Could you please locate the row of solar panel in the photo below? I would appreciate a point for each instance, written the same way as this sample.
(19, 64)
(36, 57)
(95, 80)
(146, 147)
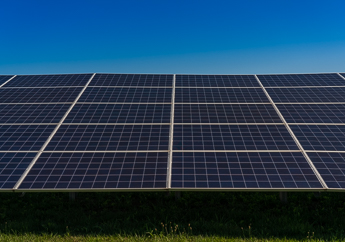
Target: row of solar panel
(223, 170)
(156, 137)
(161, 113)
(331, 79)
(164, 95)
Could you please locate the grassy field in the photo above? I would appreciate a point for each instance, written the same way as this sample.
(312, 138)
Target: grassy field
(197, 216)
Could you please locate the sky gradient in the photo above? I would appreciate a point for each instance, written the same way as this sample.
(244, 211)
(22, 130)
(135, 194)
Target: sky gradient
(177, 36)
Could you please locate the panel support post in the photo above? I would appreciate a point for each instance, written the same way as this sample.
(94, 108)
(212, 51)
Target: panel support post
(177, 196)
(283, 197)
(72, 196)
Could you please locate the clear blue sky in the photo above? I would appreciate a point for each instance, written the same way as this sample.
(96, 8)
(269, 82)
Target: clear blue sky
(176, 36)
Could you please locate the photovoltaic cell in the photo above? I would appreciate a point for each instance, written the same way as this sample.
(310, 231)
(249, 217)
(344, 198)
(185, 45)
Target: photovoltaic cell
(110, 94)
(132, 80)
(12, 166)
(225, 113)
(342, 74)
(119, 113)
(300, 95)
(233, 137)
(24, 137)
(216, 81)
(4, 78)
(38, 95)
(313, 113)
(110, 138)
(98, 171)
(220, 95)
(32, 113)
(331, 167)
(49, 80)
(242, 170)
(320, 137)
(331, 79)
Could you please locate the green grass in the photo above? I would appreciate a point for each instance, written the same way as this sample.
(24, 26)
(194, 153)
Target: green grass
(197, 216)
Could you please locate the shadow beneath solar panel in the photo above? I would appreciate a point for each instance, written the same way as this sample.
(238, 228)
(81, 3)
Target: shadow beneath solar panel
(232, 215)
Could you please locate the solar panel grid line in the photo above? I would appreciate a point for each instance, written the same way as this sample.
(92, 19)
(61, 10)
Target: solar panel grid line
(325, 151)
(238, 151)
(50, 137)
(36, 103)
(133, 86)
(223, 103)
(310, 103)
(115, 124)
(316, 123)
(10, 124)
(39, 87)
(221, 87)
(171, 134)
(294, 137)
(228, 123)
(105, 151)
(341, 76)
(7, 81)
(282, 87)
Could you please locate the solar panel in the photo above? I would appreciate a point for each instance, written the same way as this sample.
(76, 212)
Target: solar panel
(225, 113)
(331, 167)
(300, 95)
(12, 166)
(233, 137)
(110, 94)
(54, 171)
(331, 79)
(128, 132)
(24, 137)
(242, 170)
(216, 81)
(4, 78)
(110, 138)
(119, 113)
(49, 80)
(38, 95)
(220, 95)
(320, 137)
(32, 113)
(313, 113)
(342, 74)
(132, 80)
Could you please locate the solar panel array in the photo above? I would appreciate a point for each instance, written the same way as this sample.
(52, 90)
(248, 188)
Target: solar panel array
(116, 132)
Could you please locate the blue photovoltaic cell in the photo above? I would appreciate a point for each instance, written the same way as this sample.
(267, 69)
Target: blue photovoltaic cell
(111, 94)
(225, 113)
(32, 113)
(242, 170)
(331, 167)
(216, 81)
(24, 137)
(300, 95)
(320, 137)
(313, 113)
(220, 95)
(342, 74)
(12, 166)
(233, 137)
(119, 113)
(38, 95)
(98, 171)
(3, 79)
(286, 80)
(132, 80)
(110, 138)
(49, 80)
